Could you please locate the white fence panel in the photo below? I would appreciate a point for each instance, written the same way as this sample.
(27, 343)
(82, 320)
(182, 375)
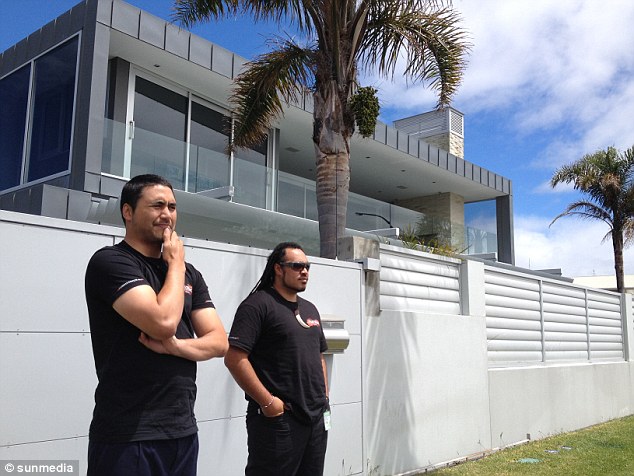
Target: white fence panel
(532, 319)
(416, 281)
(514, 328)
(605, 326)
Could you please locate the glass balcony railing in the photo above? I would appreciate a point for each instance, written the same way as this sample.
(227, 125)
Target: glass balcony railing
(196, 169)
(297, 196)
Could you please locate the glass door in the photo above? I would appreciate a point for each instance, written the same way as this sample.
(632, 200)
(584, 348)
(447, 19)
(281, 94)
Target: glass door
(209, 164)
(184, 138)
(157, 132)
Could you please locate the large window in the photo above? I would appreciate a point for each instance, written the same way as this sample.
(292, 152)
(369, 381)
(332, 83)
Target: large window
(14, 96)
(251, 176)
(208, 160)
(171, 132)
(160, 131)
(481, 227)
(52, 116)
(44, 124)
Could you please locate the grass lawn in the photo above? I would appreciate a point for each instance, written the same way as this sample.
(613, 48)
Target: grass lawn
(601, 450)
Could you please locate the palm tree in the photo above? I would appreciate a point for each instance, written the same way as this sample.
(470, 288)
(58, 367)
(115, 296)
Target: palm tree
(342, 35)
(606, 178)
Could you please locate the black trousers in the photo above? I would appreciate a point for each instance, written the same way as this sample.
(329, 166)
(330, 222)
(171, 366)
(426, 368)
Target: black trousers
(285, 446)
(177, 457)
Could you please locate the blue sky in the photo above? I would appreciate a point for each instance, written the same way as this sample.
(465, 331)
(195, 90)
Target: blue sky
(547, 82)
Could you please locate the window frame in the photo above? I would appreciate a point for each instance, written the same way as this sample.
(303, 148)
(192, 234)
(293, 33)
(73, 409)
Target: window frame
(28, 126)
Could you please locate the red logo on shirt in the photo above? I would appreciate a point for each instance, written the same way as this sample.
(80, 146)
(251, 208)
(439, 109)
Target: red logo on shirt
(312, 322)
(188, 289)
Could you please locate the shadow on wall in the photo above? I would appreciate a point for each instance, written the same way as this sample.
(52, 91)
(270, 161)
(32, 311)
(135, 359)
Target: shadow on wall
(427, 388)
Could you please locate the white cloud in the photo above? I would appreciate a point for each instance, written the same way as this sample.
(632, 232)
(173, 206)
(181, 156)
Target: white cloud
(570, 244)
(545, 188)
(560, 71)
(546, 64)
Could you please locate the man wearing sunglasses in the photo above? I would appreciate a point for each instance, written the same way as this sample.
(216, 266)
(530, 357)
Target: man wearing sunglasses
(275, 354)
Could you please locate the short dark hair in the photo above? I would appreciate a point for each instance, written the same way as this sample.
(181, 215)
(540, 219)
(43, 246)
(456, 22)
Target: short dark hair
(133, 189)
(276, 256)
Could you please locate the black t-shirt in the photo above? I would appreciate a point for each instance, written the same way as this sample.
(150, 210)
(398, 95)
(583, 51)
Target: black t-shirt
(141, 395)
(285, 354)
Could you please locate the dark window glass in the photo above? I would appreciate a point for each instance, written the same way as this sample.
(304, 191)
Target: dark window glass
(208, 159)
(14, 93)
(251, 175)
(159, 133)
(54, 89)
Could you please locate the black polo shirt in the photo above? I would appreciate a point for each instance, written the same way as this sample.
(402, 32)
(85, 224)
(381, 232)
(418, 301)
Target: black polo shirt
(141, 395)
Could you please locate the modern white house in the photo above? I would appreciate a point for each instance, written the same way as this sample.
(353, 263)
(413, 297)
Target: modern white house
(107, 91)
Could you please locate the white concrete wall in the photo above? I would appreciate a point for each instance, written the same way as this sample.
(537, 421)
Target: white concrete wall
(426, 393)
(414, 388)
(47, 376)
(431, 392)
(542, 401)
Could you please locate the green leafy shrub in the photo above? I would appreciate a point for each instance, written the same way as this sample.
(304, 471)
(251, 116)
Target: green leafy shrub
(365, 106)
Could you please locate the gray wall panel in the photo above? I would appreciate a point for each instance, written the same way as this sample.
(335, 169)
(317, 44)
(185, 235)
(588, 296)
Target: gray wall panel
(34, 44)
(48, 380)
(77, 448)
(63, 27)
(20, 54)
(380, 132)
(218, 394)
(222, 61)
(104, 12)
(78, 17)
(125, 18)
(442, 159)
(345, 446)
(177, 40)
(223, 445)
(402, 140)
(56, 293)
(200, 51)
(392, 137)
(46, 337)
(93, 94)
(47, 39)
(434, 153)
(152, 30)
(343, 389)
(412, 146)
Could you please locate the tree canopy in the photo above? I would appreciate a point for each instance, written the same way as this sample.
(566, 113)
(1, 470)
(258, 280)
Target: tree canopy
(341, 37)
(606, 179)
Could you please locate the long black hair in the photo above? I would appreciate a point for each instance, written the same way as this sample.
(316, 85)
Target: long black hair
(276, 256)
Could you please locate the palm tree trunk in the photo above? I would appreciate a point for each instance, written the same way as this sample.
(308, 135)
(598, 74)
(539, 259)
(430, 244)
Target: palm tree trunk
(333, 183)
(617, 244)
(332, 153)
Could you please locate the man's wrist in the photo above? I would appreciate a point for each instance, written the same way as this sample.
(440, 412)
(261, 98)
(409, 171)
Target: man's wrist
(263, 407)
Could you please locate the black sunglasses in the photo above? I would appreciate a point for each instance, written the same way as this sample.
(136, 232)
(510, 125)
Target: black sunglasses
(295, 265)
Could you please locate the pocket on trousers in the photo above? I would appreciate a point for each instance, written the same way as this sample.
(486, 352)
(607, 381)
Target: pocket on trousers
(278, 432)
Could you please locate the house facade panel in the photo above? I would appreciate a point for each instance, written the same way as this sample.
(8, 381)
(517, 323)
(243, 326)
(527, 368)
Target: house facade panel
(121, 48)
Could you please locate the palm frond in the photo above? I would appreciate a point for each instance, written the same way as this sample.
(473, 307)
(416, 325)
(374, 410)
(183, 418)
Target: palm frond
(586, 210)
(283, 73)
(189, 12)
(433, 42)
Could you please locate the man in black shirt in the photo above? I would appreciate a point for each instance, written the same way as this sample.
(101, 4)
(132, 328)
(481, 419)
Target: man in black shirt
(275, 354)
(151, 319)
